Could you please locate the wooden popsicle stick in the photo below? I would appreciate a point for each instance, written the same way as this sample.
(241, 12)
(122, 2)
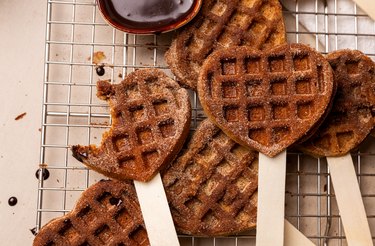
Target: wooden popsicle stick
(293, 237)
(156, 213)
(367, 6)
(349, 201)
(271, 200)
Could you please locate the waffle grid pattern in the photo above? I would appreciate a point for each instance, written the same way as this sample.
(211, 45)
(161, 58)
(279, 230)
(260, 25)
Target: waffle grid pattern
(149, 119)
(351, 119)
(338, 139)
(108, 214)
(150, 112)
(222, 176)
(267, 97)
(238, 22)
(257, 23)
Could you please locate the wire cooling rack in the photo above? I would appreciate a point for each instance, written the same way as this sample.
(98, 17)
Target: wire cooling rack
(72, 114)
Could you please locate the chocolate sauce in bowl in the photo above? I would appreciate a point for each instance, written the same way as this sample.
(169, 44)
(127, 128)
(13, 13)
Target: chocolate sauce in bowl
(146, 16)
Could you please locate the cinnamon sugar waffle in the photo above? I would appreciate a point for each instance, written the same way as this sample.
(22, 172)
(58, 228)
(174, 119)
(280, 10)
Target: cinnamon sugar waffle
(150, 120)
(212, 186)
(350, 120)
(224, 23)
(266, 100)
(107, 213)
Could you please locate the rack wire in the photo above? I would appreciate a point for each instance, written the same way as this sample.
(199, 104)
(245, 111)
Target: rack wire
(72, 114)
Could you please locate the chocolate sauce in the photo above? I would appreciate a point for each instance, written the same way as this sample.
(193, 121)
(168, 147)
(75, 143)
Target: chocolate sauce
(45, 173)
(33, 231)
(146, 14)
(12, 201)
(100, 71)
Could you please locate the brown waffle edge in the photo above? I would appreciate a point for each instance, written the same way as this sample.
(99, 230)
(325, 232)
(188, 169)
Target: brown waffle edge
(225, 23)
(107, 213)
(130, 150)
(232, 91)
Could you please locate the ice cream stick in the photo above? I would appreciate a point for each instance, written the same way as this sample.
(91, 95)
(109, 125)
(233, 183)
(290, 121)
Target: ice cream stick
(293, 237)
(156, 213)
(367, 6)
(349, 201)
(271, 200)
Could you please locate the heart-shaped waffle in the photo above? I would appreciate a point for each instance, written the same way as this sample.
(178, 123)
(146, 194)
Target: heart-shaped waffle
(266, 100)
(351, 117)
(151, 117)
(212, 186)
(107, 213)
(224, 23)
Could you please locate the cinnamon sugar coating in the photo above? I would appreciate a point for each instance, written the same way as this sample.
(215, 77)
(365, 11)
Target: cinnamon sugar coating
(224, 23)
(351, 118)
(151, 117)
(107, 213)
(266, 100)
(212, 186)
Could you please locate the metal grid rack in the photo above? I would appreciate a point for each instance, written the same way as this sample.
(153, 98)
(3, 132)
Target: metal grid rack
(72, 114)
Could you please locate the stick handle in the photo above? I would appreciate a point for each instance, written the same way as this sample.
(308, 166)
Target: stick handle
(349, 201)
(367, 6)
(271, 200)
(293, 237)
(156, 213)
